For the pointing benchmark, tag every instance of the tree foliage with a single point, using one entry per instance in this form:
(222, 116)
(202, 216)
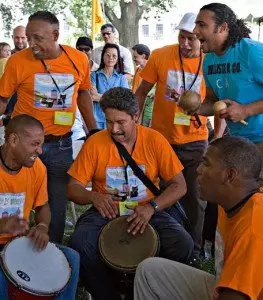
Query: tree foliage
(123, 14)
(6, 13)
(54, 6)
(81, 10)
(10, 13)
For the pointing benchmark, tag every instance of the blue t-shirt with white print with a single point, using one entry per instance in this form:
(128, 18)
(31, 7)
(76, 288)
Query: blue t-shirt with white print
(238, 75)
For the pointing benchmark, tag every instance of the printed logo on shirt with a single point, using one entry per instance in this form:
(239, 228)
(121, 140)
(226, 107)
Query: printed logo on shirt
(47, 95)
(219, 253)
(116, 184)
(175, 86)
(224, 68)
(11, 204)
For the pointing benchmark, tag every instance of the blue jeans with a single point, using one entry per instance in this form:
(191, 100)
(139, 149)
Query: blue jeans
(175, 244)
(191, 155)
(57, 157)
(69, 292)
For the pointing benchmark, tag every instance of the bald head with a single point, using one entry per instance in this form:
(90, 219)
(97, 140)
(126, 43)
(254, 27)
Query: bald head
(24, 137)
(19, 38)
(21, 124)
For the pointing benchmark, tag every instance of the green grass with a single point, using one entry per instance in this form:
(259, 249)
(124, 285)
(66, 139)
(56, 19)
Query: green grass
(208, 265)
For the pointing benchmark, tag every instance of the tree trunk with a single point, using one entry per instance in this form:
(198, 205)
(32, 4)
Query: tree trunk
(128, 24)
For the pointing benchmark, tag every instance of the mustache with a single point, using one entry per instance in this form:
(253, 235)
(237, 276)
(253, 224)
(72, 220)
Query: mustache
(117, 133)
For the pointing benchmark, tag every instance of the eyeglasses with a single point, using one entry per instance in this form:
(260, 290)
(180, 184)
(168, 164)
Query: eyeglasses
(107, 33)
(84, 49)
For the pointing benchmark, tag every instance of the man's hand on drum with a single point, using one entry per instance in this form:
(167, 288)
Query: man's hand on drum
(13, 224)
(140, 218)
(104, 203)
(39, 236)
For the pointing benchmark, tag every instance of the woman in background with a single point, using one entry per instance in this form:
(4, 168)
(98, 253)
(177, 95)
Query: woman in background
(109, 75)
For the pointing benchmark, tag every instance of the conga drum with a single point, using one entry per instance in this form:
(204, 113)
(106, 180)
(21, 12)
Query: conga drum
(123, 251)
(33, 274)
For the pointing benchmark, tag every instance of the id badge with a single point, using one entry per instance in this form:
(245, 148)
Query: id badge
(181, 119)
(125, 211)
(63, 118)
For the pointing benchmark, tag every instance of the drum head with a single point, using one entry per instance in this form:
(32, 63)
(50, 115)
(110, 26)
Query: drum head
(43, 273)
(123, 251)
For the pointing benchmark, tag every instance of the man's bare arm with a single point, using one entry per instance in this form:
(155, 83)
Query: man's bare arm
(219, 127)
(104, 203)
(207, 107)
(142, 92)
(175, 190)
(77, 192)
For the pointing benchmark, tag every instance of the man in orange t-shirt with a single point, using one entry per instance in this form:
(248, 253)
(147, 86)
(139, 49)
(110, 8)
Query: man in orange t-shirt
(23, 187)
(99, 162)
(174, 69)
(50, 80)
(229, 177)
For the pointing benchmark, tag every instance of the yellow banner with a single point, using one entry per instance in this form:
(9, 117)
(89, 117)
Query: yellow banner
(97, 18)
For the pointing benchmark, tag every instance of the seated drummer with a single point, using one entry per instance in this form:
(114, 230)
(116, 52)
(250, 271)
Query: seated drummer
(100, 163)
(23, 186)
(230, 177)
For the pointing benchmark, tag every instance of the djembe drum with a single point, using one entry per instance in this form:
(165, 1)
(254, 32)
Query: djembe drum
(122, 251)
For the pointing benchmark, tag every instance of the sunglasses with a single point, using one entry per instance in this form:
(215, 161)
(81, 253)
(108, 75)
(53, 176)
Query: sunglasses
(84, 49)
(107, 33)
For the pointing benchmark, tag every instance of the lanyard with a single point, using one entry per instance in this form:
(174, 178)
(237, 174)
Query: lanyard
(197, 73)
(53, 79)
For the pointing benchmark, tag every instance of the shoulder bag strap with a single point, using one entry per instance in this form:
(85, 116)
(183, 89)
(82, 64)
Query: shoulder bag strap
(136, 169)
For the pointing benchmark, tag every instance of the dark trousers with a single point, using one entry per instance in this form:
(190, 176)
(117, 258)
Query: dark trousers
(57, 157)
(191, 155)
(176, 244)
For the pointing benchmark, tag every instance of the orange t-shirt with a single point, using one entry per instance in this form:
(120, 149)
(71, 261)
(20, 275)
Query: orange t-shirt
(136, 79)
(164, 68)
(22, 192)
(38, 96)
(99, 162)
(239, 248)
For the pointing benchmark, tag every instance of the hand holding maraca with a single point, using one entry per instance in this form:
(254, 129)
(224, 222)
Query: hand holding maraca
(234, 112)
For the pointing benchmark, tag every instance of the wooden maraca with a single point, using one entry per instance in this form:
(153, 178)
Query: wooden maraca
(190, 102)
(220, 105)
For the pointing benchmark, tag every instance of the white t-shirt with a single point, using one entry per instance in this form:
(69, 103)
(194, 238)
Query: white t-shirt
(77, 128)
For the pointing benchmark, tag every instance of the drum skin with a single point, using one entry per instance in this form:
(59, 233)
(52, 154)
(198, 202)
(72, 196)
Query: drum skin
(44, 273)
(121, 250)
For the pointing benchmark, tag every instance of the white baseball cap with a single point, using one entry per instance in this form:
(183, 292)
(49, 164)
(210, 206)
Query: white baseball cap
(187, 23)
